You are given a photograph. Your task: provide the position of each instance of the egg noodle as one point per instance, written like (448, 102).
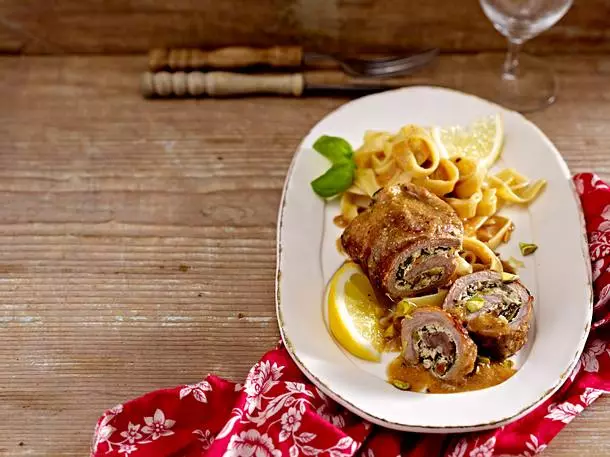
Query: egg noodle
(460, 179)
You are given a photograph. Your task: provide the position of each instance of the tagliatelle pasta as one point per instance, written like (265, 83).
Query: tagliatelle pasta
(442, 180)
(478, 253)
(472, 190)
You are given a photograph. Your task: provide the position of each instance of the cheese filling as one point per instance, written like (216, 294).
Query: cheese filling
(435, 348)
(427, 277)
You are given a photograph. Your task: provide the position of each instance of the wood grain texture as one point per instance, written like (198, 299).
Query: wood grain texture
(137, 238)
(96, 26)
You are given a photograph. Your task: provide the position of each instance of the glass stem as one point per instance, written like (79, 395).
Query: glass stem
(511, 63)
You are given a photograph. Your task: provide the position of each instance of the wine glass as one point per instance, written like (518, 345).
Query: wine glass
(527, 83)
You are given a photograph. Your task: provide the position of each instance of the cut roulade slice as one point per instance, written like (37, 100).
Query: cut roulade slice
(435, 340)
(498, 314)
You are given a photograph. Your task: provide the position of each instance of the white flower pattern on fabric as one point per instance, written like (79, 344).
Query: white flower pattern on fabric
(103, 431)
(335, 419)
(298, 388)
(604, 295)
(157, 426)
(597, 183)
(534, 447)
(287, 409)
(590, 395)
(599, 244)
(597, 269)
(127, 449)
(564, 412)
(589, 356)
(588, 359)
(251, 444)
(599, 241)
(262, 377)
(132, 433)
(291, 421)
(198, 390)
(484, 450)
(206, 438)
(116, 409)
(460, 448)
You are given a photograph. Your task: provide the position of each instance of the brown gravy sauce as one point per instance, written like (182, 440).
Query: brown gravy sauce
(420, 379)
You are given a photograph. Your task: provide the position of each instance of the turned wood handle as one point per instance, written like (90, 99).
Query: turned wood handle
(230, 57)
(219, 84)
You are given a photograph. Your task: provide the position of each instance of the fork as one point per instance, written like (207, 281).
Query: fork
(282, 57)
(375, 67)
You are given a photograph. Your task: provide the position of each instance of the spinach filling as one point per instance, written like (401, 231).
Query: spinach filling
(428, 276)
(505, 302)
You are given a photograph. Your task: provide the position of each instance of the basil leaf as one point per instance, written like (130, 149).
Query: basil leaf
(335, 149)
(336, 180)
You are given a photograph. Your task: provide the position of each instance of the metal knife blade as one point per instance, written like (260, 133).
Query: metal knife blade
(353, 89)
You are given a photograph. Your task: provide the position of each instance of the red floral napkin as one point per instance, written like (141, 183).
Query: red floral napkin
(279, 412)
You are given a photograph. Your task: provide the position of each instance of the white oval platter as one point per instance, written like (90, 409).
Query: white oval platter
(558, 274)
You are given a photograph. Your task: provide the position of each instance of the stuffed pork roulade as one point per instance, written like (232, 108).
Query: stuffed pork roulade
(497, 314)
(437, 341)
(406, 241)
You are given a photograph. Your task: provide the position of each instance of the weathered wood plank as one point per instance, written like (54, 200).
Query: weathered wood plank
(137, 238)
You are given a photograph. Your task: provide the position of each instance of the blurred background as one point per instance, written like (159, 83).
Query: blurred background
(344, 26)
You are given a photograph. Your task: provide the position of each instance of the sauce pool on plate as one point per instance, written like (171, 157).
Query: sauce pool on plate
(421, 380)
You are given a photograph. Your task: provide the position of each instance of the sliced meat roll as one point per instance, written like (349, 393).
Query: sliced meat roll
(437, 341)
(406, 241)
(497, 314)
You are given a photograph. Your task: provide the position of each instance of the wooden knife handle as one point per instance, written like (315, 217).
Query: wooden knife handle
(230, 57)
(219, 84)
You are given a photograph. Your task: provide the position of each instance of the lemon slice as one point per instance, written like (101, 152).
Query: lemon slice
(352, 307)
(482, 140)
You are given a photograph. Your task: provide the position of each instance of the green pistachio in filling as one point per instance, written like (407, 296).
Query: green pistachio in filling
(509, 302)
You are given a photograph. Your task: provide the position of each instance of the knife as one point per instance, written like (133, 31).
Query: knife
(226, 84)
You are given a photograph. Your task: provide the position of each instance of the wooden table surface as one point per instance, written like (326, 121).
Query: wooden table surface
(137, 238)
(135, 26)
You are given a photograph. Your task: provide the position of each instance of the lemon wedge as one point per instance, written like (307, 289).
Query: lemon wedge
(352, 308)
(482, 140)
